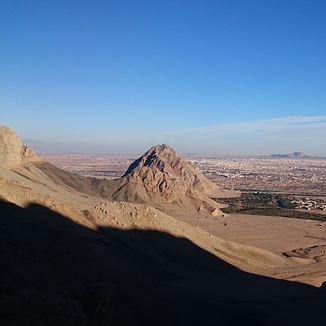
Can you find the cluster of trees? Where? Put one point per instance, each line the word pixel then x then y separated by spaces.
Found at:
pixel 258 203
pixel 284 202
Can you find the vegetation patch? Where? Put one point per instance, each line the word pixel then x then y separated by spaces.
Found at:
pixel 259 203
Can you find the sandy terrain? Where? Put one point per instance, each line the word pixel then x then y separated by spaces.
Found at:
pixel 303 239
pixel 273 233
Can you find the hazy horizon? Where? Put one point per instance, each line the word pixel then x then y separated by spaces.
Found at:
pixel 83 148
pixel 230 77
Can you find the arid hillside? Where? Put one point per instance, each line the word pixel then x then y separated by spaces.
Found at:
pixel 86 251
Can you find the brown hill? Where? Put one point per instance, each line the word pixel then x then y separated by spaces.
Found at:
pixel 171 174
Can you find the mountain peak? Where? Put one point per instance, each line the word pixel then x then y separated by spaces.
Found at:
pixel 162 157
pixel 161 148
pixel 161 171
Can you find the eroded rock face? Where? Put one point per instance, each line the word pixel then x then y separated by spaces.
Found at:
pixel 12 150
pixel 161 170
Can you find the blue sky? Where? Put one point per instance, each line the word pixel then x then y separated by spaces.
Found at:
pixel 229 77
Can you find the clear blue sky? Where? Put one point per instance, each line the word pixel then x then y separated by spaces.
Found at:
pixel 209 76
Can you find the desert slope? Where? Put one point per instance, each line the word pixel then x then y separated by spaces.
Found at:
pixel 55 271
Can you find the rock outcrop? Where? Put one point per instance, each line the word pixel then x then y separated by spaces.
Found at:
pixel 161 168
pixel 12 151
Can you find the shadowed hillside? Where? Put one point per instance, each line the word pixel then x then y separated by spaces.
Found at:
pixel 56 272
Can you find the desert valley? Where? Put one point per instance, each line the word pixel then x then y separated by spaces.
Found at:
pixel 89 240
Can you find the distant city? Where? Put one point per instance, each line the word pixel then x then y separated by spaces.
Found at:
pixel 294 175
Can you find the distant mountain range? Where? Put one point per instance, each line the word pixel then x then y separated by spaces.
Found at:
pixel 291 155
pixel 214 156
pixel 294 154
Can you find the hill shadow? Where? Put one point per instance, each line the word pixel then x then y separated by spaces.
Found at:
pixel 56 272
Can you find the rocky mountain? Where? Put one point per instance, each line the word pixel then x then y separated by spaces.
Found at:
pixel 161 177
pixel 170 173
